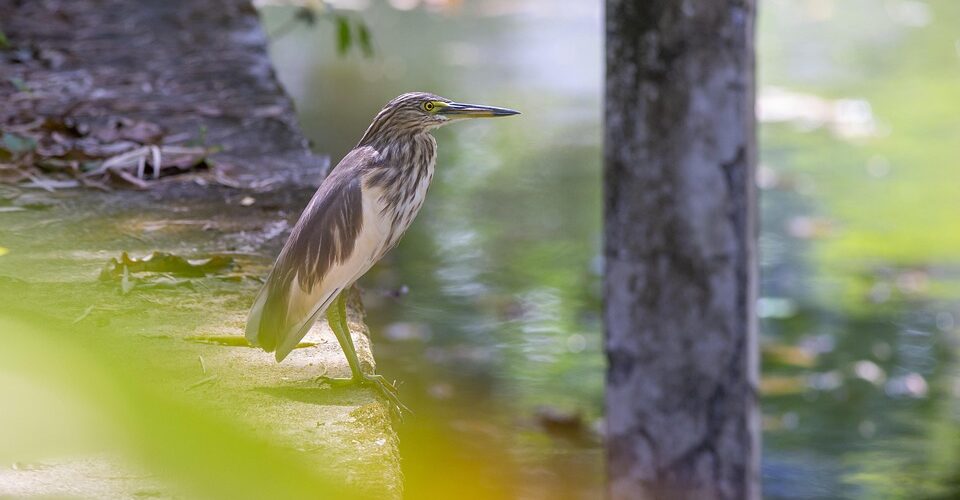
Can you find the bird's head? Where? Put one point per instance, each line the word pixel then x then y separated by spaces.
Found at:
pixel 418 112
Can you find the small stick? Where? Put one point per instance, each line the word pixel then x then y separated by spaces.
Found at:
pixel 156 161
pixel 203 381
pixel 86 312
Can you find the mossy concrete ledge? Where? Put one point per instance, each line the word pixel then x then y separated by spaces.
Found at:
pixel 192 67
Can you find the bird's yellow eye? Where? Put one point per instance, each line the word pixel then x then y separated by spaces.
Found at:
pixel 429 106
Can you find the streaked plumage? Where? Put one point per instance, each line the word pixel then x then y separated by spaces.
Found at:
pixel 358 214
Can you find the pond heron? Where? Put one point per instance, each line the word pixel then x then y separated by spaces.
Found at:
pixel 357 215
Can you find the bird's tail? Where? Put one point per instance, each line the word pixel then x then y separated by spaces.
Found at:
pixel 253 320
pixel 276 333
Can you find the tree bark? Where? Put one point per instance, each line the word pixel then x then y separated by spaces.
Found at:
pixel 680 250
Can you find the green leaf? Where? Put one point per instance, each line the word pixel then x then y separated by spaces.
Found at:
pixel 17 144
pixel 4 42
pixel 343 35
pixel 19 84
pixel 306 15
pixel 363 38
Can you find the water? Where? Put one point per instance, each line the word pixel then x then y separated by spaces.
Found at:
pixel 488 311
pixel 860 239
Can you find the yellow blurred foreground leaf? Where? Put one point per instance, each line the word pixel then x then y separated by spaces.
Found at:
pixel 62 395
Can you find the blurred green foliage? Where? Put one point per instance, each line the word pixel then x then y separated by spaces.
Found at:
pixel 351 30
pixel 64 395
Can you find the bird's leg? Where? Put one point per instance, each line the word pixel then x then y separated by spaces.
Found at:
pixel 337 318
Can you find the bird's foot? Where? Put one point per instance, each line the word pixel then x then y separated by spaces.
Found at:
pixel 385 388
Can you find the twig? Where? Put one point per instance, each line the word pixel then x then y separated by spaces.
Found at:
pixel 203 381
pixel 156 161
pixel 40 182
pixel 86 312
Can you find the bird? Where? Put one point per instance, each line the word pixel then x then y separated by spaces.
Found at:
pixel 358 214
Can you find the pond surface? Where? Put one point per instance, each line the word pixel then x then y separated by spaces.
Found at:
pixel 488 311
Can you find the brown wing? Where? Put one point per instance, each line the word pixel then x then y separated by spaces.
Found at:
pixel 324 237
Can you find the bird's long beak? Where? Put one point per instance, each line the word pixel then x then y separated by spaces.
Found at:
pixel 459 109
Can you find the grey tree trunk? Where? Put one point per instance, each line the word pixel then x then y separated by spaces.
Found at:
pixel 680 253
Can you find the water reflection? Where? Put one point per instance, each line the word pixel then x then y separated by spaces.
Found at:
pixel 871 221
pixel 488 310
